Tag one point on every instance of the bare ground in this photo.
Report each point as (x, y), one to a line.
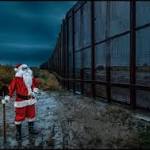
(71, 121)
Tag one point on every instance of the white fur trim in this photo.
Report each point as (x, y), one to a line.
(18, 122)
(30, 119)
(24, 103)
(7, 98)
(24, 66)
(15, 69)
(19, 73)
(3, 101)
(20, 67)
(36, 90)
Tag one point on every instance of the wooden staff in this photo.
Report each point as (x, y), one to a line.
(4, 122)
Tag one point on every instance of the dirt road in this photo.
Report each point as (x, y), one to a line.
(72, 121)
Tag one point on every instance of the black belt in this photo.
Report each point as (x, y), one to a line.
(24, 97)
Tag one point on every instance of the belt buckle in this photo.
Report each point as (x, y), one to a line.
(29, 97)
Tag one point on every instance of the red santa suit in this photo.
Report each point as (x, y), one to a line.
(23, 85)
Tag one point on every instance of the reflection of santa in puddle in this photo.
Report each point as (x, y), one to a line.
(24, 84)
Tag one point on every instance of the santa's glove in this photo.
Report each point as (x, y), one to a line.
(6, 99)
(36, 91)
(32, 94)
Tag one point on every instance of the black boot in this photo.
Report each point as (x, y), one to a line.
(31, 128)
(18, 132)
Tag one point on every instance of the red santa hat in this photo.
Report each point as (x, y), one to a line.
(17, 67)
(20, 66)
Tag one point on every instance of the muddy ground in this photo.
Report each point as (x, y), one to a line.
(72, 121)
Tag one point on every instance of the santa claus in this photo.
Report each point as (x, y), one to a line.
(24, 85)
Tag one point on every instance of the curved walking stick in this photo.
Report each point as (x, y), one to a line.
(4, 122)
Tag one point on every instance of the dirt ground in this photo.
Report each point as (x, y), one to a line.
(67, 121)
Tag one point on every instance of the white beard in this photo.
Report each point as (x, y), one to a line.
(27, 78)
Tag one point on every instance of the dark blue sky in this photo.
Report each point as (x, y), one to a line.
(28, 30)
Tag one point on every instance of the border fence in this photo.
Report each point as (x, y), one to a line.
(103, 50)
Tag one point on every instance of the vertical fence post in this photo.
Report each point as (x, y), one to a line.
(59, 65)
(132, 53)
(63, 40)
(82, 77)
(56, 60)
(93, 49)
(57, 57)
(67, 50)
(108, 55)
(60, 55)
(81, 52)
(73, 48)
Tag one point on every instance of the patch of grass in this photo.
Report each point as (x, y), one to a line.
(6, 75)
(47, 81)
(144, 137)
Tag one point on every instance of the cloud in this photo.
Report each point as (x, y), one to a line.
(25, 46)
(28, 30)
